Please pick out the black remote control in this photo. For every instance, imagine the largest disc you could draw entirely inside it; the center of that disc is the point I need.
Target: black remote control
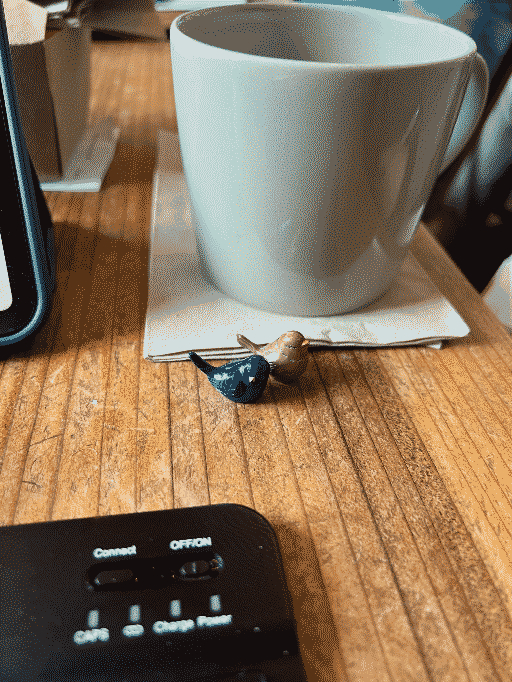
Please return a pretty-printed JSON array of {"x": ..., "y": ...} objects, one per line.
[{"x": 184, "y": 595}]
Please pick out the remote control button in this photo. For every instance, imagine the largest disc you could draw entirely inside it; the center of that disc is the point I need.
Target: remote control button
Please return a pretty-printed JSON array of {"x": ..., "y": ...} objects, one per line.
[
  {"x": 192, "y": 568},
  {"x": 113, "y": 577}
]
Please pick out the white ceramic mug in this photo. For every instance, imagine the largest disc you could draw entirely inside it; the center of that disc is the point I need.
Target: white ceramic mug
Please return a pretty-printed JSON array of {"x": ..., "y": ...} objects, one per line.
[{"x": 311, "y": 137}]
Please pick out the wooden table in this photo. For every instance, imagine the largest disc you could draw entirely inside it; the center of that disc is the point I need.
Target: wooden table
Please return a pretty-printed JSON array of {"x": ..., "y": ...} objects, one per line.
[{"x": 385, "y": 473}]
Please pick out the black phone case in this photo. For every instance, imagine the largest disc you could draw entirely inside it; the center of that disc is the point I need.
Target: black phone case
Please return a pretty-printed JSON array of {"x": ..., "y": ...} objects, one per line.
[{"x": 28, "y": 233}]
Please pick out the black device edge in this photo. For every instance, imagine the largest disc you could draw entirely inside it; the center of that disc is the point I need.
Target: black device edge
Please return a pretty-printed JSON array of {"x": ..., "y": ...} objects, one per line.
[{"x": 27, "y": 316}]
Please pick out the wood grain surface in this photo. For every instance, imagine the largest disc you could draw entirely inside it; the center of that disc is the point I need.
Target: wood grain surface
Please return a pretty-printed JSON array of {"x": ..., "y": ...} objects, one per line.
[{"x": 385, "y": 473}]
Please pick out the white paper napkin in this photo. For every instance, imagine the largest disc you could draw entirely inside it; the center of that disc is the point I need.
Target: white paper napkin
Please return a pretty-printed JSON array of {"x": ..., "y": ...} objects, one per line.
[{"x": 186, "y": 313}]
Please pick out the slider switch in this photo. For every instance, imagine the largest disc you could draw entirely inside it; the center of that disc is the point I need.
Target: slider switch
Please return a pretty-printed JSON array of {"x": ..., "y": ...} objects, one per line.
[
  {"x": 193, "y": 568},
  {"x": 201, "y": 569},
  {"x": 113, "y": 577}
]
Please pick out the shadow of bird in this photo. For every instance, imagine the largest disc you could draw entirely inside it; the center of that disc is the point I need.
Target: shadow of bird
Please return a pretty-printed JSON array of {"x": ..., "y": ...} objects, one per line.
[{"x": 242, "y": 381}]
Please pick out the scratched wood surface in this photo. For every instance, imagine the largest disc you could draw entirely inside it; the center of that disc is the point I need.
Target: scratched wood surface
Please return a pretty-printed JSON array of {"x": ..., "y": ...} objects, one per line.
[{"x": 385, "y": 473}]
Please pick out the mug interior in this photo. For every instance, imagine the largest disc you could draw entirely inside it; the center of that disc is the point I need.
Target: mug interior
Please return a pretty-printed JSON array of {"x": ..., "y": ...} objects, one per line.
[{"x": 324, "y": 33}]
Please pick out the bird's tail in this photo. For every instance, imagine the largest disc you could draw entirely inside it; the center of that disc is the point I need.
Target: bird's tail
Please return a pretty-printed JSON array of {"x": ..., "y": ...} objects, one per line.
[{"x": 200, "y": 363}]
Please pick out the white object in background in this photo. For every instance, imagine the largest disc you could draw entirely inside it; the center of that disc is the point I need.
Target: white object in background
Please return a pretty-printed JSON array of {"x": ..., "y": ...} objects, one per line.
[
  {"x": 193, "y": 5},
  {"x": 57, "y": 7},
  {"x": 498, "y": 293},
  {"x": 90, "y": 162}
]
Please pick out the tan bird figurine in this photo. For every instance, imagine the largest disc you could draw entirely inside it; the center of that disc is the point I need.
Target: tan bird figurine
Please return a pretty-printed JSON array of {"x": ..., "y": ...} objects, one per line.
[{"x": 287, "y": 356}]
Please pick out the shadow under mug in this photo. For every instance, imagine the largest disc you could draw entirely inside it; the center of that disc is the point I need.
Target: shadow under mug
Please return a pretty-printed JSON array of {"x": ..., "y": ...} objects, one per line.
[{"x": 311, "y": 137}]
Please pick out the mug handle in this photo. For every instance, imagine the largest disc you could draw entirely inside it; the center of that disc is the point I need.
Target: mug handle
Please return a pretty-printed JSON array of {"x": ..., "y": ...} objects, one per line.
[{"x": 472, "y": 108}]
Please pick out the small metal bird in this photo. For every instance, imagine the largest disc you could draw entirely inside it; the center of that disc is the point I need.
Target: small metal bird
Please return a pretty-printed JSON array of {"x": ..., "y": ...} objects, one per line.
[
  {"x": 242, "y": 381},
  {"x": 288, "y": 355}
]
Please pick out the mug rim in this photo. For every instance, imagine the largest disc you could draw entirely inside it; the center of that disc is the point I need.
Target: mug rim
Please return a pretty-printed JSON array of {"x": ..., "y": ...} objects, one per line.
[{"x": 175, "y": 30}]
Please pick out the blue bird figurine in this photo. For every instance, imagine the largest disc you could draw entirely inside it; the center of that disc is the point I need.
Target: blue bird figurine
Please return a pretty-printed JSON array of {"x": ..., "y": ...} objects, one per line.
[{"x": 242, "y": 381}]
